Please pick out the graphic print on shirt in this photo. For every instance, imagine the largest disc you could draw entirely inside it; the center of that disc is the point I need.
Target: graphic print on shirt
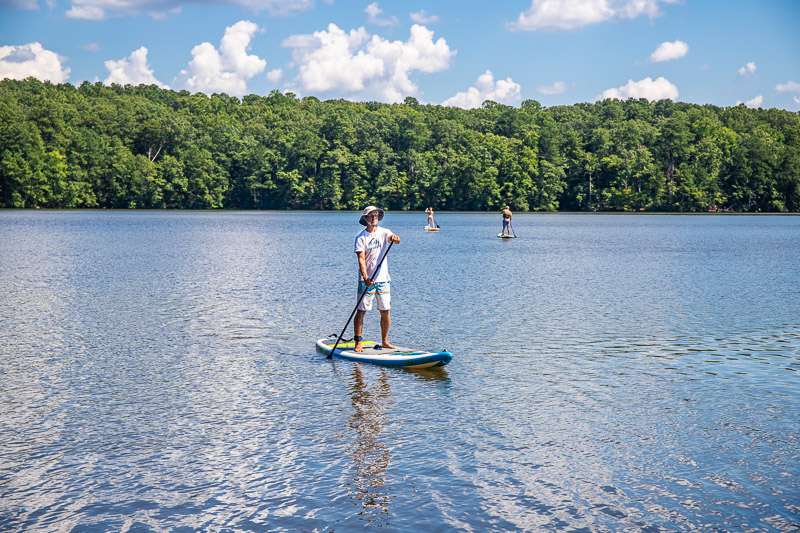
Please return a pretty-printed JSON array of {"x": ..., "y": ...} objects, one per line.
[
  {"x": 373, "y": 243},
  {"x": 373, "y": 253}
]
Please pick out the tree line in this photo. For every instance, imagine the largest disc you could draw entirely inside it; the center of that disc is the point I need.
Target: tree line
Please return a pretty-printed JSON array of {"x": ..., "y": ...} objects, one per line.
[{"x": 97, "y": 146}]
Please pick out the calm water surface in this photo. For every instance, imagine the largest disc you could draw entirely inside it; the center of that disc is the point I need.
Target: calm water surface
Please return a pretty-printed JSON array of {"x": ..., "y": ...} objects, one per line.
[{"x": 611, "y": 373}]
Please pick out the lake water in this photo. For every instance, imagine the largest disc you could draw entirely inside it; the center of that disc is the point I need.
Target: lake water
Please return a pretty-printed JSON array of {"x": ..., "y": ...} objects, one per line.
[{"x": 610, "y": 373}]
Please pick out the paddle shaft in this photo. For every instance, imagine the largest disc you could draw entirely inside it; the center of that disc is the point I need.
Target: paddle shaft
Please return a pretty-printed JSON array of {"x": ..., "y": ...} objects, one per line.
[{"x": 359, "y": 302}]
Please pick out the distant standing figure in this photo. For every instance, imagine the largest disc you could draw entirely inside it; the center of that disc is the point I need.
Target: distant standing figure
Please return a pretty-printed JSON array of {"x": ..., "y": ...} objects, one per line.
[
  {"x": 431, "y": 223},
  {"x": 506, "y": 212}
]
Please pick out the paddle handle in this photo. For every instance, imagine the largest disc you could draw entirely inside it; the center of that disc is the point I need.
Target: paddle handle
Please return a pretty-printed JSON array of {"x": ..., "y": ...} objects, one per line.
[{"x": 359, "y": 301}]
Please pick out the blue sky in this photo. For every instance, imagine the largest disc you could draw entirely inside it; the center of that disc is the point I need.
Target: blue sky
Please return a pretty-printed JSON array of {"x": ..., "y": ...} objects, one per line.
[{"x": 460, "y": 53}]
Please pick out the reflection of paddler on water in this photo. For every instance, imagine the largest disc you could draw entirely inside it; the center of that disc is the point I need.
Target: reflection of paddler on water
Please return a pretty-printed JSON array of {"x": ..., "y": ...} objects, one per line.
[{"x": 369, "y": 452}]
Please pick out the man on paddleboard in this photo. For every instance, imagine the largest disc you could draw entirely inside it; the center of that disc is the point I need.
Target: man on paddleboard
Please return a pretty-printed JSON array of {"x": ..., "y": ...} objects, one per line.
[
  {"x": 506, "y": 212},
  {"x": 431, "y": 223},
  {"x": 370, "y": 246}
]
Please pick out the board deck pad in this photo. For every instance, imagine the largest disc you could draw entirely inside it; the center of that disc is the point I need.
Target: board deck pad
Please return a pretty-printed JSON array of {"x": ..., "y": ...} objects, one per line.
[{"x": 376, "y": 354}]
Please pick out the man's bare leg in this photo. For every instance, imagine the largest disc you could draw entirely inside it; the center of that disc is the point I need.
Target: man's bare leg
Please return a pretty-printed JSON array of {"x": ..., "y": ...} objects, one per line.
[
  {"x": 358, "y": 326},
  {"x": 385, "y": 322}
]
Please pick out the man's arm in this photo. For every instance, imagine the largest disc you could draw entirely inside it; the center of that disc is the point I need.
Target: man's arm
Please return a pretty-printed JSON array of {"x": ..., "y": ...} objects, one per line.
[{"x": 362, "y": 267}]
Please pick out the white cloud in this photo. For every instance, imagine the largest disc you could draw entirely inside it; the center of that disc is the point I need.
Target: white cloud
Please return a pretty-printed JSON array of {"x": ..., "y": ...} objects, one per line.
[
  {"x": 373, "y": 12},
  {"x": 749, "y": 68},
  {"x": 572, "y": 14},
  {"x": 753, "y": 102},
  {"x": 275, "y": 75},
  {"x": 334, "y": 59},
  {"x": 421, "y": 17},
  {"x": 558, "y": 87},
  {"x": 796, "y": 99},
  {"x": 131, "y": 70},
  {"x": 226, "y": 70},
  {"x": 32, "y": 60},
  {"x": 668, "y": 51},
  {"x": 789, "y": 86},
  {"x": 86, "y": 12},
  {"x": 366, "y": 66},
  {"x": 102, "y": 9},
  {"x": 91, "y": 47},
  {"x": 660, "y": 89},
  {"x": 503, "y": 92}
]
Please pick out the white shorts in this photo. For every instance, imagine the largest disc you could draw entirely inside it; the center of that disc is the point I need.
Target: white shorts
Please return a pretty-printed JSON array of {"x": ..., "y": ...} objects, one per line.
[{"x": 379, "y": 291}]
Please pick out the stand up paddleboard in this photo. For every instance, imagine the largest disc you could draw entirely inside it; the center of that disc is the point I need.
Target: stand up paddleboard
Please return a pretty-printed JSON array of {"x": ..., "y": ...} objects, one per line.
[
  {"x": 427, "y": 228},
  {"x": 377, "y": 355},
  {"x": 506, "y": 236}
]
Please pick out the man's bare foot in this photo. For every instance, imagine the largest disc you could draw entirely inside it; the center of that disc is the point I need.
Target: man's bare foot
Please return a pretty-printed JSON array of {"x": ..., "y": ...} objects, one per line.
[
  {"x": 385, "y": 344},
  {"x": 358, "y": 348}
]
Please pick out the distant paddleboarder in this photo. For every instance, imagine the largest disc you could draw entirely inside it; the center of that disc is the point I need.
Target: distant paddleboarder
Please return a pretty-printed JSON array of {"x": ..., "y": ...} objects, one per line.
[
  {"x": 431, "y": 223},
  {"x": 506, "y": 212},
  {"x": 370, "y": 246}
]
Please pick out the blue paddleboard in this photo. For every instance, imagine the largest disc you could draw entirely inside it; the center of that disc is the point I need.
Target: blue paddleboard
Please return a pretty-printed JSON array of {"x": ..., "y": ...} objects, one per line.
[{"x": 375, "y": 354}]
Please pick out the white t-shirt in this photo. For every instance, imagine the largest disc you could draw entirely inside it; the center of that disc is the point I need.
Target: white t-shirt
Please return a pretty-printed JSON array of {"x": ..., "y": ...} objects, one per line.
[{"x": 374, "y": 245}]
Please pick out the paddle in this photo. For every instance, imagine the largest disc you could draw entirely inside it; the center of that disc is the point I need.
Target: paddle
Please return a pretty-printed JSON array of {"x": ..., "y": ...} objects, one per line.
[
  {"x": 330, "y": 355},
  {"x": 514, "y": 233}
]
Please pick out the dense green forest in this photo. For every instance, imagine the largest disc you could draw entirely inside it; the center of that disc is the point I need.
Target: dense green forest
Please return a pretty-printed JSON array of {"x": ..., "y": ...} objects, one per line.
[{"x": 63, "y": 146}]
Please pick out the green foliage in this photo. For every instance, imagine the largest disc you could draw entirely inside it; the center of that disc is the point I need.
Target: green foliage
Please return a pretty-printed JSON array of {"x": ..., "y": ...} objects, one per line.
[{"x": 145, "y": 147}]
